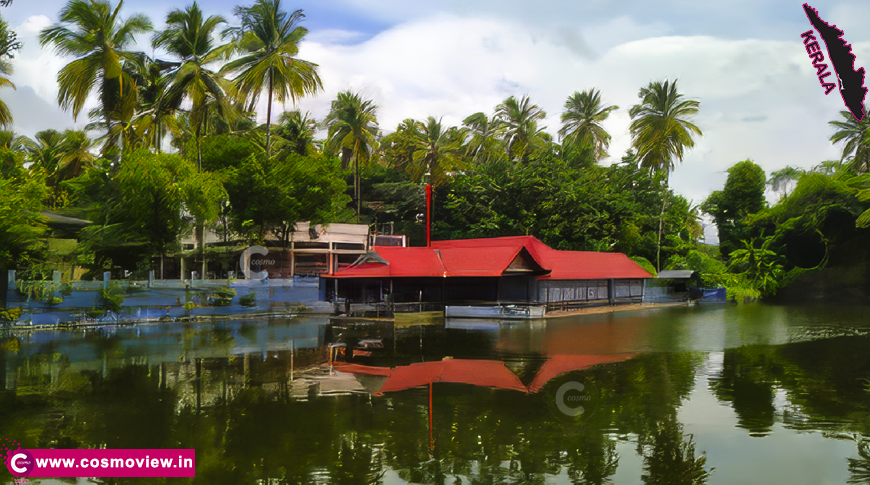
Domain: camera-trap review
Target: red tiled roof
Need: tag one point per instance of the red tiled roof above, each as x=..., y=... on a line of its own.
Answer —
x=564, y=265
x=491, y=257
x=560, y=364
x=420, y=262
x=493, y=261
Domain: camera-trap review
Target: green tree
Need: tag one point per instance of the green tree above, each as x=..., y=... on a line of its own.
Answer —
x=670, y=458
x=298, y=129
x=781, y=179
x=268, y=39
x=153, y=82
x=270, y=196
x=227, y=151
x=8, y=45
x=352, y=123
x=17, y=143
x=661, y=132
x=21, y=199
x=581, y=123
x=59, y=157
x=855, y=137
x=521, y=134
x=485, y=145
x=399, y=146
x=46, y=154
x=760, y=265
x=151, y=201
x=93, y=32
x=189, y=36
x=438, y=150
x=742, y=195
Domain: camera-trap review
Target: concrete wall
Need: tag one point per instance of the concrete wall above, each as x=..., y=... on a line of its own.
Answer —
x=166, y=298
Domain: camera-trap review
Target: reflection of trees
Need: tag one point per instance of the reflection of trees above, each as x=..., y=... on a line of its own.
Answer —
x=859, y=468
x=669, y=457
x=245, y=434
x=823, y=381
x=593, y=459
x=747, y=381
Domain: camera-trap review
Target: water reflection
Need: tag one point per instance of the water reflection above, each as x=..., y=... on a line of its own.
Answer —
x=225, y=389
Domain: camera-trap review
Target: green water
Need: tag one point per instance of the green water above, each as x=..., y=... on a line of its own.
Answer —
x=707, y=394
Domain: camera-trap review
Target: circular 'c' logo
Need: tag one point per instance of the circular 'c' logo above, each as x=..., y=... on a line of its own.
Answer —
x=245, y=261
x=573, y=402
x=20, y=463
x=562, y=403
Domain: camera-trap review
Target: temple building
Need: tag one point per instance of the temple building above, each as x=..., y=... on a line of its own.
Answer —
x=505, y=276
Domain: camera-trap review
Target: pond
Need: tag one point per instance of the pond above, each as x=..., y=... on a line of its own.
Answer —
x=716, y=394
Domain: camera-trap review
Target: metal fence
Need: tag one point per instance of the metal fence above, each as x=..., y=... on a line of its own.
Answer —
x=382, y=309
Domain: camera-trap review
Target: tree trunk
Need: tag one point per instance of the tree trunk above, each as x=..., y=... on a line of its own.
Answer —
x=269, y=119
x=198, y=148
x=356, y=180
x=202, y=249
x=661, y=226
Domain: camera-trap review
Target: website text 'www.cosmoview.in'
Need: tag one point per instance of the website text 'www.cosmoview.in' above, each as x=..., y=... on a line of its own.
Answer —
x=101, y=463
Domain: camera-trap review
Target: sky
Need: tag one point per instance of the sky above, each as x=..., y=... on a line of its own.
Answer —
x=742, y=60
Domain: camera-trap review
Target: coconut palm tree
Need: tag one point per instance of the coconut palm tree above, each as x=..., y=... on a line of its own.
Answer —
x=7, y=45
x=76, y=156
x=397, y=148
x=353, y=124
x=661, y=132
x=46, y=155
x=855, y=136
x=154, y=82
x=17, y=143
x=780, y=180
x=660, y=126
x=189, y=37
x=581, y=123
x=268, y=39
x=485, y=146
x=298, y=129
x=521, y=132
x=60, y=156
x=93, y=32
x=437, y=151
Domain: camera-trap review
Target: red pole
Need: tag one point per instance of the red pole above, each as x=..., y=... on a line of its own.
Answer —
x=428, y=213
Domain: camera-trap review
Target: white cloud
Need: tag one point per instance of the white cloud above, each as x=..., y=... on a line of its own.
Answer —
x=759, y=98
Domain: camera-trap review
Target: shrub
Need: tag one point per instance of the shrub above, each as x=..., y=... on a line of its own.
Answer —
x=248, y=300
x=10, y=315
x=645, y=264
x=96, y=312
x=113, y=296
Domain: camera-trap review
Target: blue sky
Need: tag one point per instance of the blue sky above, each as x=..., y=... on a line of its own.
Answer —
x=743, y=60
